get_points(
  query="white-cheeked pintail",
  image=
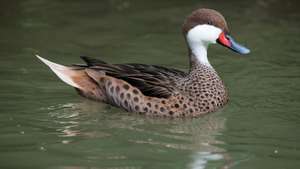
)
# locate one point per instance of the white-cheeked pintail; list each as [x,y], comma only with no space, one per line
[155,90]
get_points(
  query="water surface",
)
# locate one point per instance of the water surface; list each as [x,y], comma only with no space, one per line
[45,124]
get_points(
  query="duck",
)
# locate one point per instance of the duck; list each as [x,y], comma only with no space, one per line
[154,90]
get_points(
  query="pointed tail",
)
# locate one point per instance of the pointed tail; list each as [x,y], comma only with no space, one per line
[78,78]
[65,73]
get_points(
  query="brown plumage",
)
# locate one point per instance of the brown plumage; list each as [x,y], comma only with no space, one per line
[156,81]
[204,16]
[149,89]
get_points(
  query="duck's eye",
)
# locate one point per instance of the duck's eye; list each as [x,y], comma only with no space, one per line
[209,23]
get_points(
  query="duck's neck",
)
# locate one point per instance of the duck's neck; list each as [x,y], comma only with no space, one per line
[198,55]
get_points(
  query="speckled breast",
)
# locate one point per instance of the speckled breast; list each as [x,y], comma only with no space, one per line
[201,92]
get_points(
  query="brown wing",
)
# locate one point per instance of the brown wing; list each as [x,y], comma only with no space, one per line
[151,80]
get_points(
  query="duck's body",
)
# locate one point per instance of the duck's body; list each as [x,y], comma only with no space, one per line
[155,90]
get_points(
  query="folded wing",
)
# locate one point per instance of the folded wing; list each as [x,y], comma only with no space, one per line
[151,80]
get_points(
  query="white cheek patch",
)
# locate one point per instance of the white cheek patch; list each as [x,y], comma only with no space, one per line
[204,33]
[199,38]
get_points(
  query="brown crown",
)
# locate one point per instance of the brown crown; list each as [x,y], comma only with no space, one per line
[205,16]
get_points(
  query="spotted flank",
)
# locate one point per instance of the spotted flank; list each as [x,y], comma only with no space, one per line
[181,94]
[155,90]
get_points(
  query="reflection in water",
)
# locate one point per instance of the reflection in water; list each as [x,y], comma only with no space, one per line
[67,117]
[70,116]
[203,133]
[195,135]
[199,133]
[202,158]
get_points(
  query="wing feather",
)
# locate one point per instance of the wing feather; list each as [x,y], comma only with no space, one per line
[151,80]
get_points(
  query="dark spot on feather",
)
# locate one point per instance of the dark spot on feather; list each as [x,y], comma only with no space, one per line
[171,113]
[162,109]
[163,102]
[117,89]
[191,110]
[149,104]
[126,103]
[136,99]
[145,109]
[184,106]
[122,95]
[137,108]
[135,91]
[176,105]
[126,86]
[102,79]
[156,106]
[109,83]
[111,89]
[128,95]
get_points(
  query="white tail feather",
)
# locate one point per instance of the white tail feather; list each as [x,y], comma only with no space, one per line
[65,73]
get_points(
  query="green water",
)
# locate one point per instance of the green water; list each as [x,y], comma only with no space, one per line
[45,124]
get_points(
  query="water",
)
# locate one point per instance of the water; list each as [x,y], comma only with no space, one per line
[45,124]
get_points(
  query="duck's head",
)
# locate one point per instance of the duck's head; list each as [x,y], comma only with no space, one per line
[207,26]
